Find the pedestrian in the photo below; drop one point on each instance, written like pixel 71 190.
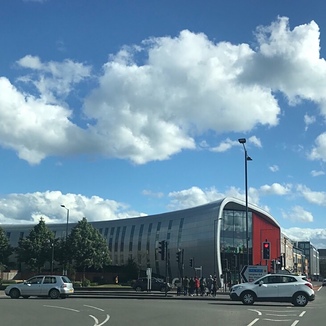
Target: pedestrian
pixel 214 286
pixel 209 284
pixel 191 286
pixel 197 285
pixel 186 286
pixel 202 285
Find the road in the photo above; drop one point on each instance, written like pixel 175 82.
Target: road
pixel 152 310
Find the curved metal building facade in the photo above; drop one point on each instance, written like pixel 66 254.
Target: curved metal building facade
pixel 212 235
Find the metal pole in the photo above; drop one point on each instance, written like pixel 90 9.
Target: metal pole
pixel 66 263
pixel 246 186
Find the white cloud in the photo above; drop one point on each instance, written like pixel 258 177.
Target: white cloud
pixel 150 193
pixel 254 140
pixel 274 168
pixel 319 150
pixel 315 173
pixel 316 236
pixel 275 189
pixel 30 207
pixel 151 110
pixel 225 145
pixel 298 214
pixel 308 120
pixel 192 197
pixel 314 197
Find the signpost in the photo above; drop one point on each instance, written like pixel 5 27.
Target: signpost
pixel 250 273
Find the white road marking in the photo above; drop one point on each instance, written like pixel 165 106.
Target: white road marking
pixel 85 305
pixel 294 323
pixel 303 312
pixel 258 312
pixel 253 322
pixel 277 319
pixel 64 308
pixel 96 320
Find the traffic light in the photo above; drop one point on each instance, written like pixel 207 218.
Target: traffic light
pixel 179 256
pixel 273 265
pixel 161 249
pixel 191 262
pixel 266 250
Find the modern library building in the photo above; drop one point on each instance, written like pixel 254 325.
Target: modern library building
pixel 212 239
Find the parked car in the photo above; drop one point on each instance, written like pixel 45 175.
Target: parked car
pixel 53 286
pixel 156 285
pixel 324 282
pixel 274 287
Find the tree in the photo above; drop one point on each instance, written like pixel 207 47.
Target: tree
pixel 5 249
pixel 87 247
pixel 36 248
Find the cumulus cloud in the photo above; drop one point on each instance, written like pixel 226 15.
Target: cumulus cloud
pixel 30 207
pixel 314 197
pixel 192 197
pixel 154 99
pixel 316 236
pixel 315 173
pixel 275 189
pixel 298 214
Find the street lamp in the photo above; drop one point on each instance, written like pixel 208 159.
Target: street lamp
pixel 247 158
pixel 66 228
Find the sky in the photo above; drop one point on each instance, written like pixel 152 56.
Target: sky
pixel 119 109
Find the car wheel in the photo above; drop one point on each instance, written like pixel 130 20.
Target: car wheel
pixel 14 294
pixel 300 299
pixel 248 298
pixel 54 294
pixel 138 289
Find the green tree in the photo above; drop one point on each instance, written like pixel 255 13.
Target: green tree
pixel 36 248
pixel 5 249
pixel 87 247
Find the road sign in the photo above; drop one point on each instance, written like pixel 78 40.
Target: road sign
pixel 250 273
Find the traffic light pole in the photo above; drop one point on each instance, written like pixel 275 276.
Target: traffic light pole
pixel 166 267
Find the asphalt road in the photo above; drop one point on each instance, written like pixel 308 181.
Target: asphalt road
pixel 155 309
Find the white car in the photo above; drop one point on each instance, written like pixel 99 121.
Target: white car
pixel 53 286
pixel 274 287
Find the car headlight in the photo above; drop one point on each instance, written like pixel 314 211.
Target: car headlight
pixel 236 288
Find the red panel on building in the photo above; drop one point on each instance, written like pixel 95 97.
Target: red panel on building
pixel 264 230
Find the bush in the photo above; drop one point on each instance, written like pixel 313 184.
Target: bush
pixel 86 282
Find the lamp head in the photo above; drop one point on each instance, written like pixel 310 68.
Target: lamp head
pixel 63 206
pixel 242 140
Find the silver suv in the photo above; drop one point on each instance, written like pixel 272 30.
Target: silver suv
pixel 52 286
pixel 275 287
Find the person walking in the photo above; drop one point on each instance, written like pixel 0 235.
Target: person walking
pixel 186 286
pixel 191 286
pixel 214 286
pixel 197 285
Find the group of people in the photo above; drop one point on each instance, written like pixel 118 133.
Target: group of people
pixel 200 286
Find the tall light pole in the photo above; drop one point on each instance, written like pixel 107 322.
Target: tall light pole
pixel 66 231
pixel 247 158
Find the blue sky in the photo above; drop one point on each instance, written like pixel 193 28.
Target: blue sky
pixel 126 108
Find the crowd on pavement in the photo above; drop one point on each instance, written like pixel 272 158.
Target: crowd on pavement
pixel 195 286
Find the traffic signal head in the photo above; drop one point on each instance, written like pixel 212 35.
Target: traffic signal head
pixel 161 249
pixel 191 262
pixel 178 256
pixel 266 250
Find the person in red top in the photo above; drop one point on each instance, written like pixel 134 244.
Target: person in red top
pixel 197 285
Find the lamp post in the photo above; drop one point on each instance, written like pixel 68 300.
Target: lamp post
pixel 66 232
pixel 247 158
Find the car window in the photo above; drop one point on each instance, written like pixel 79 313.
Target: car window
pixel 65 279
pixel 288 279
pixel 49 280
pixel 35 280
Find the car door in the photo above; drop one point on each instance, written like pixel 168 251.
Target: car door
pixel 32 286
pixel 49 282
pixel 287 286
pixel 267 287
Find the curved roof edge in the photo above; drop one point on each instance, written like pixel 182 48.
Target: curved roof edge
pixel 251 207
